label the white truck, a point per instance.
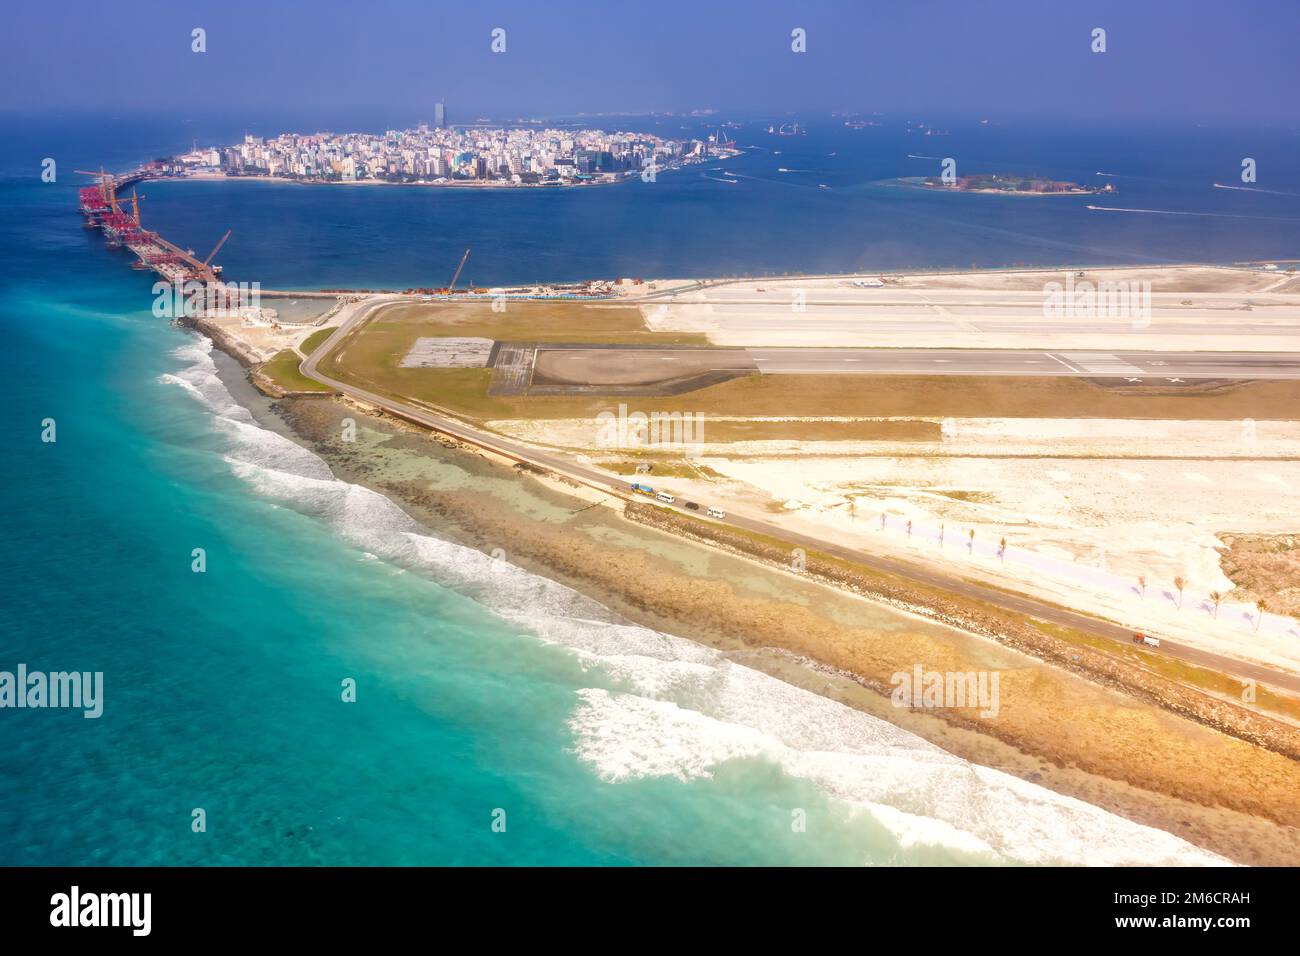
(1145, 637)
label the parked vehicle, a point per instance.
(665, 497)
(691, 505)
(716, 513)
(642, 489)
(1143, 638)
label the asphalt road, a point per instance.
(907, 570)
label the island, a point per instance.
(1017, 185)
(449, 156)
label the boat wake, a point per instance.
(1179, 212)
(673, 708)
(1256, 189)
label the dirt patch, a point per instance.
(631, 366)
(544, 321)
(1264, 566)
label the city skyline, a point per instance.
(439, 154)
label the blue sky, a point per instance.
(1195, 60)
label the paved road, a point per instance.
(1147, 367)
(907, 570)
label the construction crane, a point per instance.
(135, 206)
(216, 249)
(201, 270)
(102, 176)
(452, 287)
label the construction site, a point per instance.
(104, 207)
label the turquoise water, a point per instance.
(602, 745)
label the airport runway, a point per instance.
(1143, 367)
(613, 365)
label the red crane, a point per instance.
(216, 248)
(452, 287)
(104, 181)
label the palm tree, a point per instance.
(971, 547)
(1216, 597)
(1261, 605)
(1002, 550)
(1180, 583)
(909, 527)
(942, 528)
(1142, 583)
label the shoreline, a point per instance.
(768, 644)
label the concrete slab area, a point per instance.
(449, 352)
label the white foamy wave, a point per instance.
(921, 794)
(252, 445)
(683, 708)
(199, 378)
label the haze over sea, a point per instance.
(222, 689)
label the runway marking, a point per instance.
(1062, 361)
(1103, 364)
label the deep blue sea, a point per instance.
(222, 689)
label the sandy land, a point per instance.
(1055, 728)
(1177, 278)
(1086, 506)
(1190, 308)
(296, 320)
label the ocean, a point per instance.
(499, 718)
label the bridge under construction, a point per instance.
(106, 207)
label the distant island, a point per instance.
(1016, 185)
(449, 156)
